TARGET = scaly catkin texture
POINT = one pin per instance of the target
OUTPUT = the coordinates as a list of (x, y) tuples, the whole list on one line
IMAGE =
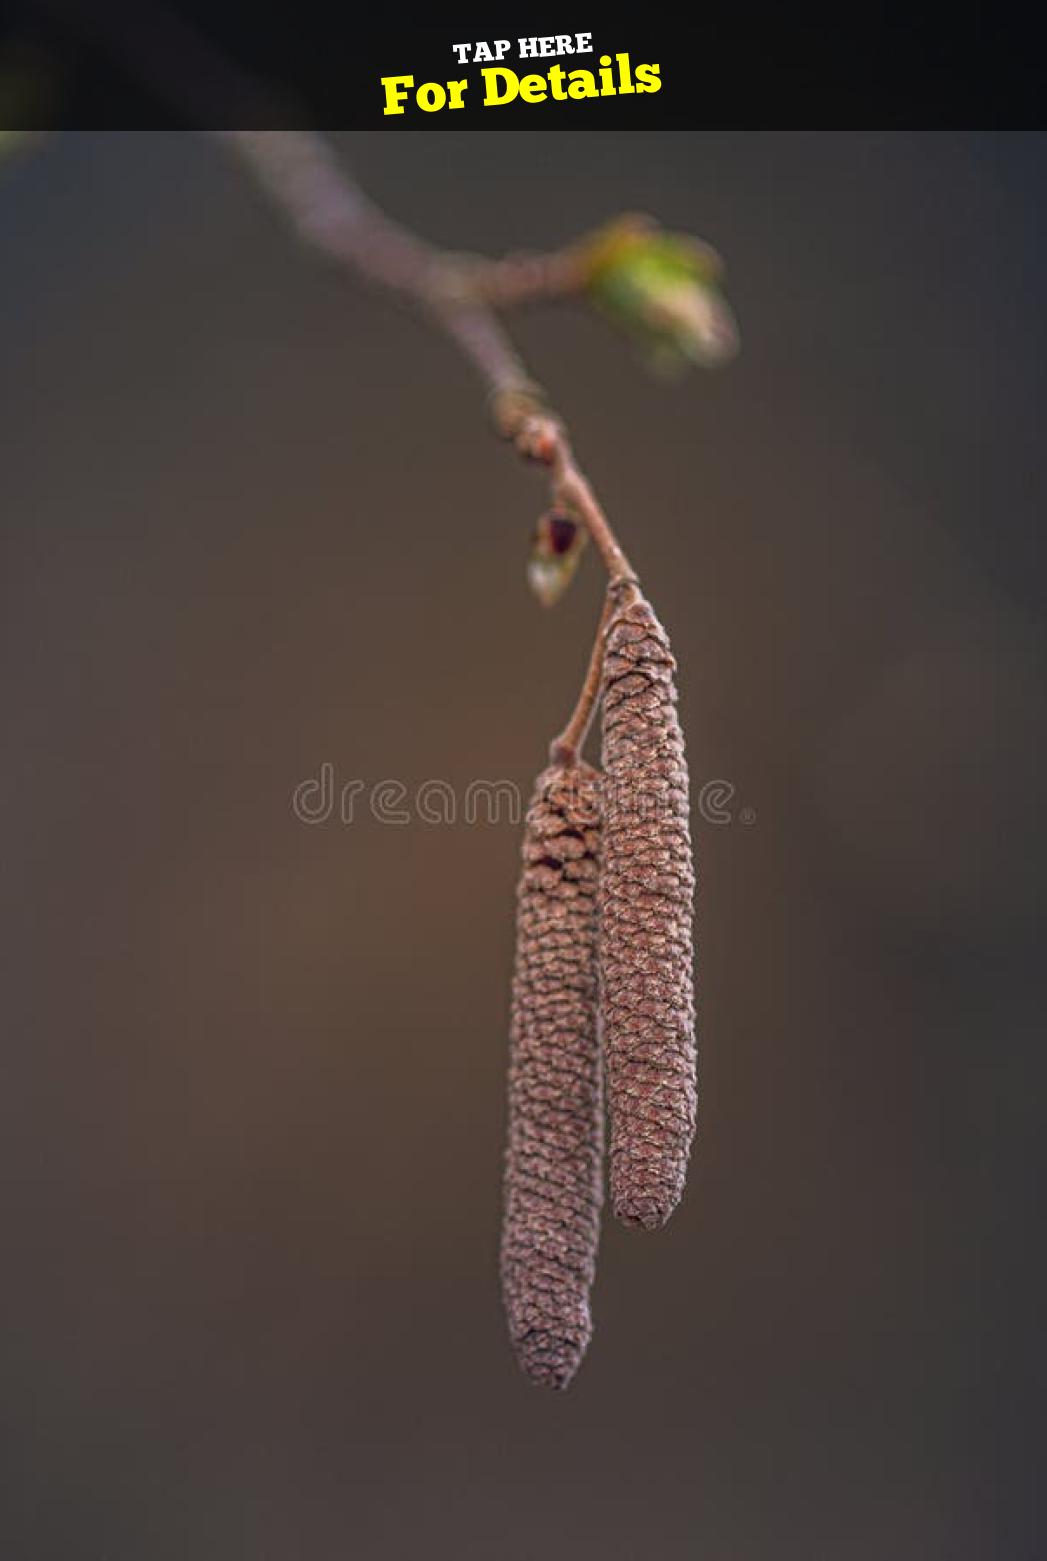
[(554, 1161), (646, 934)]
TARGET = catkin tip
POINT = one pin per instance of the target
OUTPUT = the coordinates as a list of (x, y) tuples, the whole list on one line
[(549, 1360), (643, 1215)]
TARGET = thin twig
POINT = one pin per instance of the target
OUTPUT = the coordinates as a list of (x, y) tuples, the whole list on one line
[(538, 435), (567, 748), (302, 175)]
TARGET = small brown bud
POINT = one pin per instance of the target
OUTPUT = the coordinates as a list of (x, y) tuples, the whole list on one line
[(555, 551), (646, 894), (554, 1162), (562, 534)]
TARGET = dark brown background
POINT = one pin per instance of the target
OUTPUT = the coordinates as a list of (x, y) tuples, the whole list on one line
[(253, 1089)]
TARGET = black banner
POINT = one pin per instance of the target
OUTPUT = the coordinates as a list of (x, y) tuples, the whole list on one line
[(127, 65)]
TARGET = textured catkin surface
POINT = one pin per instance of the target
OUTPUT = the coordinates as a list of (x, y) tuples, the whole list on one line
[(554, 1160), (646, 932)]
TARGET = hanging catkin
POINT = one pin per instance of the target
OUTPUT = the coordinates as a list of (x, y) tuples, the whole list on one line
[(554, 1161), (646, 895)]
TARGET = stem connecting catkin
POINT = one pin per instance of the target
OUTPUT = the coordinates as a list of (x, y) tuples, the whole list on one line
[(646, 900), (554, 1161)]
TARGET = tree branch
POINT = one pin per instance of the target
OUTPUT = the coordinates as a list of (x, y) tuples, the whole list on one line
[(301, 174), (329, 211)]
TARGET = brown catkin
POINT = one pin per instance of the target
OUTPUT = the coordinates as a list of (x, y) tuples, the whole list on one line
[(646, 908), (554, 1161)]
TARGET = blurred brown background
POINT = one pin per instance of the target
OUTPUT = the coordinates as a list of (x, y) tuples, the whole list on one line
[(252, 522)]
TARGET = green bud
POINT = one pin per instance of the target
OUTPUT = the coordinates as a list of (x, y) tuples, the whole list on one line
[(663, 288)]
